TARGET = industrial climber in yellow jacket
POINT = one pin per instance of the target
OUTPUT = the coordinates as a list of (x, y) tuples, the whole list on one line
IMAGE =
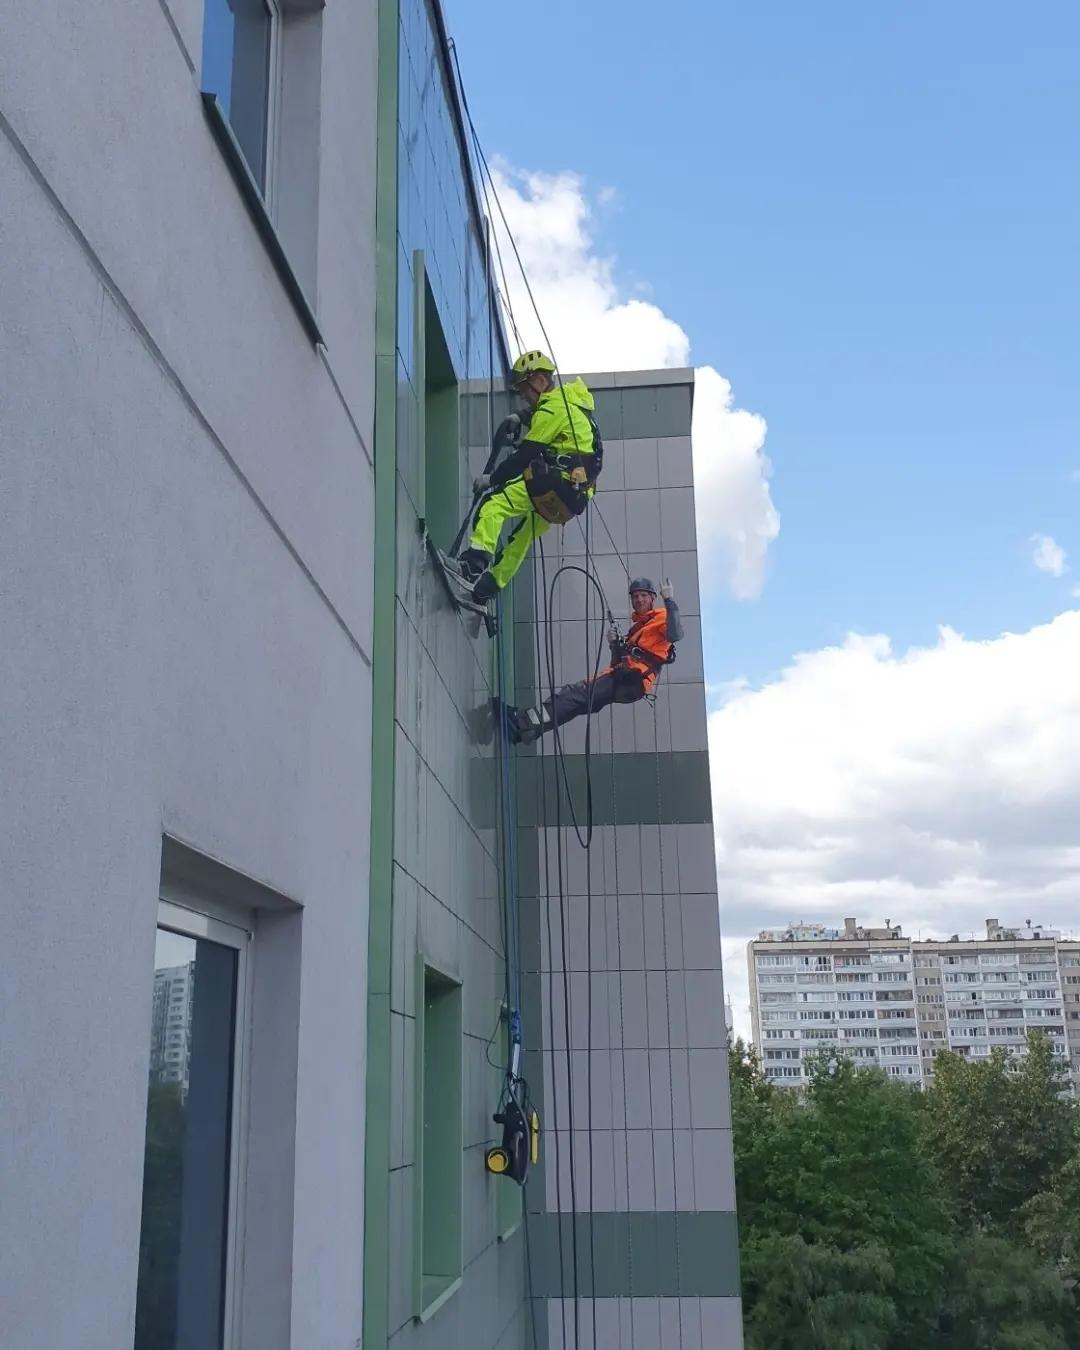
[(547, 480)]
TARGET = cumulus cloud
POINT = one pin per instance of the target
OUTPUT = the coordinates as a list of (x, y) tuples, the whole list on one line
[(594, 325), (737, 520), (935, 787), (1047, 554)]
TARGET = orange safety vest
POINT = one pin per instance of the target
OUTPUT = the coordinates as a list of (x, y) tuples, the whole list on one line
[(647, 646)]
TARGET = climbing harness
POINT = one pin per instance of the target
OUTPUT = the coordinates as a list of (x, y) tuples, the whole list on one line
[(560, 486)]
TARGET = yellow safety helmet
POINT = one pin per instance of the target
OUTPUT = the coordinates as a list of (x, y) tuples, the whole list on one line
[(527, 362)]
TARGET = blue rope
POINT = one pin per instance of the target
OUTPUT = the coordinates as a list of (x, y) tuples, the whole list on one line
[(509, 851)]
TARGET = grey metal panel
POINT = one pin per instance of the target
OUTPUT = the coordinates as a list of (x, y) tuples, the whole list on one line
[(676, 461), (642, 468), (643, 521), (677, 520), (613, 476), (701, 931), (681, 567), (709, 1097), (686, 711), (713, 1170), (696, 854), (721, 1323)]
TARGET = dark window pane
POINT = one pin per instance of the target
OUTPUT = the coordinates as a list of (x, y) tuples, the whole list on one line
[(236, 67), (180, 1304)]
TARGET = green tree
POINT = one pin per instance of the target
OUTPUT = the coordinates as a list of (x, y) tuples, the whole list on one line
[(159, 1243), (802, 1296), (1051, 1226), (744, 1067), (998, 1131), (840, 1167), (1001, 1296)]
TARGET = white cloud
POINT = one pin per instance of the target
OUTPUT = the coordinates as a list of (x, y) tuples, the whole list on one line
[(737, 520), (593, 325), (1047, 554), (937, 787)]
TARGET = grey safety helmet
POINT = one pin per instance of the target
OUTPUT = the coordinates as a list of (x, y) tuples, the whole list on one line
[(642, 584)]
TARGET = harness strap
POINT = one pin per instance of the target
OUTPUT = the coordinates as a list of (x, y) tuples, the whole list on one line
[(655, 663)]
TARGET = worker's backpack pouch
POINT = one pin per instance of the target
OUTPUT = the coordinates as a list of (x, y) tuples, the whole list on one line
[(555, 498)]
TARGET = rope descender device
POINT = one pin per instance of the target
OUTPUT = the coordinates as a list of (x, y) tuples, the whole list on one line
[(520, 1147)]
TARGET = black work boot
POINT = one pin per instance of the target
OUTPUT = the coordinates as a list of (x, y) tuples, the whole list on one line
[(530, 725), (464, 571), (485, 589), (506, 714), (473, 563)]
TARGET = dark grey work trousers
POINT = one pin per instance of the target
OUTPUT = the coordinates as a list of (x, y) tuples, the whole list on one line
[(621, 685)]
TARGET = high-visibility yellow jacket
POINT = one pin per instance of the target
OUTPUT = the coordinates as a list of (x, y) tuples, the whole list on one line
[(562, 425)]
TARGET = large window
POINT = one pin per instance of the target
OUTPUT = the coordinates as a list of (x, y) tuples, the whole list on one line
[(190, 1203), (240, 58)]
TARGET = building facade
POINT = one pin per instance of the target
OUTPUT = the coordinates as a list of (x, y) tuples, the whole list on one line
[(896, 1003), (622, 942), (447, 1267), (260, 829)]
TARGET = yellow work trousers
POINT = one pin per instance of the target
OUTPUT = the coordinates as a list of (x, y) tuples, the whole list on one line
[(510, 502)]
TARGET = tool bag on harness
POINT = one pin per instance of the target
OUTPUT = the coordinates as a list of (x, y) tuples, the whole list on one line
[(559, 485), (555, 498)]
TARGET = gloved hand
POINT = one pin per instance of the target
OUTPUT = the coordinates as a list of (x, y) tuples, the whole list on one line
[(613, 635), (509, 429), (667, 590), (481, 483)]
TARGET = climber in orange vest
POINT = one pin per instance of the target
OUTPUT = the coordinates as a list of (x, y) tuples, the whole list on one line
[(636, 662)]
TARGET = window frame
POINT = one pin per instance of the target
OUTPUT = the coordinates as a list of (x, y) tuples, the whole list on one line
[(427, 1303), (273, 104), (267, 171), (234, 929)]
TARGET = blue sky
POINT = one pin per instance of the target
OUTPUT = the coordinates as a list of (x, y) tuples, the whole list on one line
[(867, 217)]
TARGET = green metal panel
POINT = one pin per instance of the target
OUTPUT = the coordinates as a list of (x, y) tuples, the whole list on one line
[(684, 788), (380, 920), (419, 373), (676, 1254)]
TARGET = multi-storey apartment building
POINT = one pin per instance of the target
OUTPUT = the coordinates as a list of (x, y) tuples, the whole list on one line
[(889, 1001), (981, 993), (813, 987), (170, 1025)]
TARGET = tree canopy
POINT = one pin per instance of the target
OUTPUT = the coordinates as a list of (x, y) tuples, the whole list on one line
[(877, 1217)]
